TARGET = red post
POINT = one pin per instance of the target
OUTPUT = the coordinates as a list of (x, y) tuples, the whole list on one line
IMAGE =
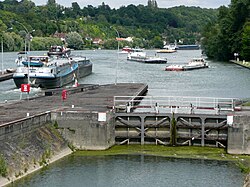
[(64, 95), (25, 88)]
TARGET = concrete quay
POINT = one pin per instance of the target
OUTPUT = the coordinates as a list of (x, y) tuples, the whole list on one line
[(88, 121), (241, 63), (84, 118), (89, 98)]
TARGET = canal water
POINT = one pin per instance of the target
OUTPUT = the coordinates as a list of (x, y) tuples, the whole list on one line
[(221, 79), (134, 171)]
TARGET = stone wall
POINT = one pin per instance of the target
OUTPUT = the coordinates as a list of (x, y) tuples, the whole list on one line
[(86, 130), (30, 149), (239, 135)]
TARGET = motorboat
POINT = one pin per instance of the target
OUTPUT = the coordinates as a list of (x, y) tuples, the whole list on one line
[(47, 72), (170, 48), (141, 56), (58, 50), (166, 51), (195, 63), (126, 50), (188, 47), (155, 60)]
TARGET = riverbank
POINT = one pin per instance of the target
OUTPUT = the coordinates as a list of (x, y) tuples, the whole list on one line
[(57, 156), (241, 63), (191, 152), (26, 153)]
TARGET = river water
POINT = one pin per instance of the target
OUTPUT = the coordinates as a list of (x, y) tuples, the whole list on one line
[(221, 79)]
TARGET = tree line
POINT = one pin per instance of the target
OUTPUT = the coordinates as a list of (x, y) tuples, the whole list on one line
[(149, 26), (229, 36)]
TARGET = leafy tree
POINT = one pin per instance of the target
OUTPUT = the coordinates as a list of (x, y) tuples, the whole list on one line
[(148, 26), (245, 52), (76, 10), (18, 42), (74, 40), (110, 44), (44, 43), (25, 6), (157, 42), (229, 35)]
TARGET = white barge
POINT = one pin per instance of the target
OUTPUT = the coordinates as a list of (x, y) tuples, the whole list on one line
[(196, 63)]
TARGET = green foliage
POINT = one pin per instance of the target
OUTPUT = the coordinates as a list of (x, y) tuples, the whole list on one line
[(45, 157), (148, 26), (56, 125), (44, 43), (243, 167), (72, 147), (245, 51), (74, 40), (230, 33), (3, 167)]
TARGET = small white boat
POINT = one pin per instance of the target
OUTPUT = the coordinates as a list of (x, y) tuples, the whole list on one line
[(140, 56), (166, 51), (126, 50), (195, 63), (59, 51)]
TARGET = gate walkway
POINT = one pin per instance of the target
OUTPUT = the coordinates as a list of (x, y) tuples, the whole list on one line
[(175, 104)]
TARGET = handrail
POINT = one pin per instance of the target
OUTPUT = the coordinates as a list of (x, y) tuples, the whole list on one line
[(197, 103)]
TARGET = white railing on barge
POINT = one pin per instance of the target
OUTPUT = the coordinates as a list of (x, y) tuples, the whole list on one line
[(176, 104)]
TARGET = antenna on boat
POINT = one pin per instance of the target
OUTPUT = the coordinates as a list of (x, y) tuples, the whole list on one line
[(76, 81)]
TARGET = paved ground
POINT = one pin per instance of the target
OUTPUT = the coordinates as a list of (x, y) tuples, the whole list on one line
[(98, 98)]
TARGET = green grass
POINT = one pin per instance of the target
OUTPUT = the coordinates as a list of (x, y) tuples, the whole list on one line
[(159, 150), (190, 152), (246, 104), (3, 166)]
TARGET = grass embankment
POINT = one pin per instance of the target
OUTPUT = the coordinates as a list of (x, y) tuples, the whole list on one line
[(242, 63), (246, 104), (191, 152)]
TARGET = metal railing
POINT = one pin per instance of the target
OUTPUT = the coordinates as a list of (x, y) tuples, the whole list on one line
[(173, 104)]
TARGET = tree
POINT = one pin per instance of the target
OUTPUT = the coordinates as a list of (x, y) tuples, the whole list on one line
[(231, 34), (44, 43), (245, 52), (74, 40), (76, 10)]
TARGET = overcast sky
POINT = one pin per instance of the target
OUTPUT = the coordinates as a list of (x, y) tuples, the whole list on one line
[(161, 3)]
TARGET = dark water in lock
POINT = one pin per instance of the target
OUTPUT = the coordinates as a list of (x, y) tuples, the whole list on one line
[(135, 171)]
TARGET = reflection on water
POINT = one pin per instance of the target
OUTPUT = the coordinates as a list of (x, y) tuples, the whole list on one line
[(136, 170)]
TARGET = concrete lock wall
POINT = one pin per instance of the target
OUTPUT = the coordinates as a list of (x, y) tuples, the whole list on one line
[(239, 135), (23, 126), (86, 130)]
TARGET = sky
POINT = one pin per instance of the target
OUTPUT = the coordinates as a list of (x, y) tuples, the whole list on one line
[(161, 3)]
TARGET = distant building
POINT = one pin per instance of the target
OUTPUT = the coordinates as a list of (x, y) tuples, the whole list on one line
[(129, 39), (62, 36), (97, 41), (152, 3)]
